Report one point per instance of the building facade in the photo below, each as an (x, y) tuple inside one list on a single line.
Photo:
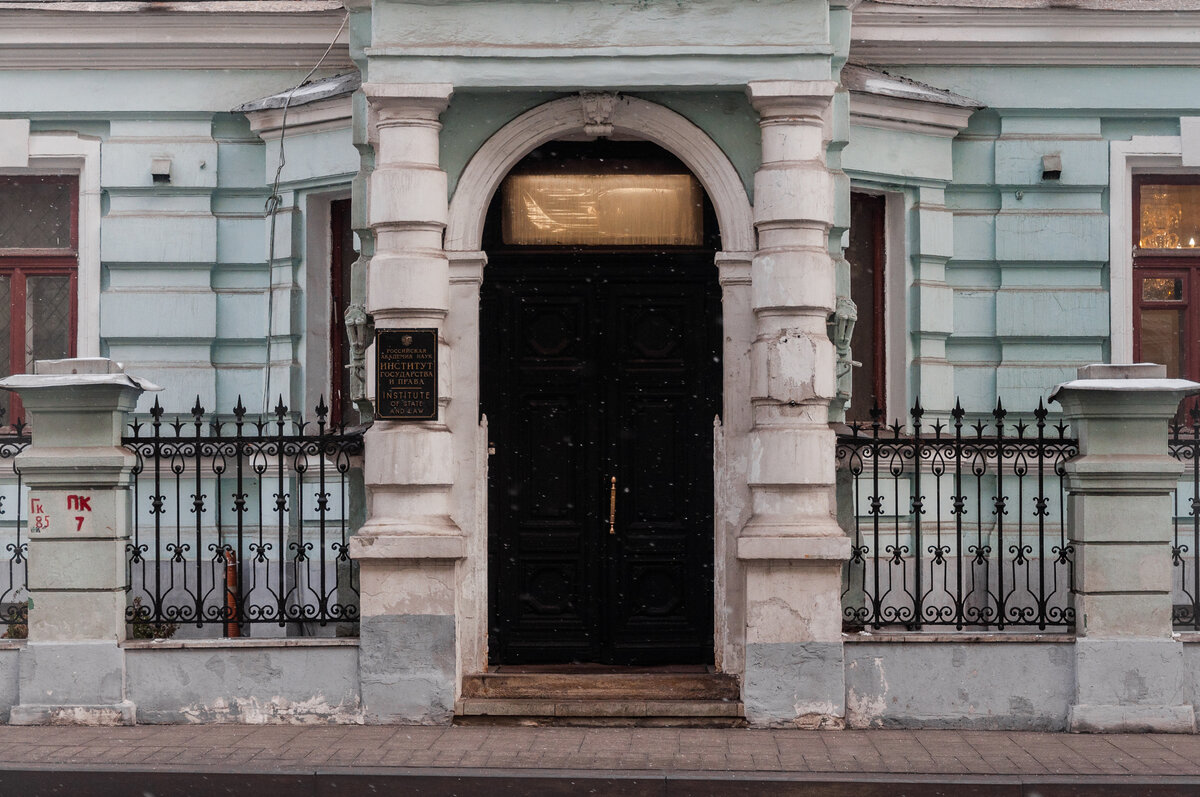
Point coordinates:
[(659, 252)]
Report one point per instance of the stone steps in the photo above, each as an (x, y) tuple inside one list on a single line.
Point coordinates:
[(660, 713), (603, 686), (613, 697)]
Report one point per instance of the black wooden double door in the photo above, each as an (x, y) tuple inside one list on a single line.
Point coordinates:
[(601, 377)]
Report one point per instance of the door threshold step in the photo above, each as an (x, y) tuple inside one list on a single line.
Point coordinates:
[(618, 687), (705, 713)]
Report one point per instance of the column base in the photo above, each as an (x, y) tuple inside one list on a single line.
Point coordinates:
[(407, 653), (795, 685), (122, 713), (1131, 719), (71, 683), (407, 669), (794, 674)]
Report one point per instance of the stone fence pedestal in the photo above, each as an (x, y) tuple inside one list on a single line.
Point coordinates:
[(1129, 670), (72, 670)]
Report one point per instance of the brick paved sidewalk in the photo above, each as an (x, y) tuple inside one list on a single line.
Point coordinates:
[(628, 760)]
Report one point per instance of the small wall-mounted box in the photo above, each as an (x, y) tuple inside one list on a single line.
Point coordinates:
[(160, 170), (1051, 166)]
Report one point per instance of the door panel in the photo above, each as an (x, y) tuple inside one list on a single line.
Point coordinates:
[(598, 366)]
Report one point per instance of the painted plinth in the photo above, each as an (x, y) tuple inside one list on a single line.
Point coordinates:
[(1129, 671), (72, 671)]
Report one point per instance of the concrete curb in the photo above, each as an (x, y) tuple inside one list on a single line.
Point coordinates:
[(95, 781)]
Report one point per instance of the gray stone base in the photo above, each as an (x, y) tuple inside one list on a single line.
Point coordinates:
[(122, 713), (1131, 719), (71, 674), (1131, 684), (406, 669), (296, 681), (795, 684)]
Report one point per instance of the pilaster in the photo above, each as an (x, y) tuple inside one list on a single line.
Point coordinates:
[(931, 302), (792, 548)]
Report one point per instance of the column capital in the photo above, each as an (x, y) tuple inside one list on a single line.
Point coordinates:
[(408, 100), (790, 98), (466, 268)]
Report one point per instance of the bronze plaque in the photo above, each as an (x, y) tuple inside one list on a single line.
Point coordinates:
[(406, 386)]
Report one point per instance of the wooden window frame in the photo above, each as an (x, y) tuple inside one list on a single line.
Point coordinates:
[(878, 294), (341, 260), (21, 263), (1172, 264)]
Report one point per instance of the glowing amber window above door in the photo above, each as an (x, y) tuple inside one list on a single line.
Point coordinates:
[(1169, 216), (602, 210)]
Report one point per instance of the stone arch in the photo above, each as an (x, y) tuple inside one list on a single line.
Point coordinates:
[(603, 114), (622, 117)]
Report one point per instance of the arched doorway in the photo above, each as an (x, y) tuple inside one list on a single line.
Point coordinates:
[(600, 375)]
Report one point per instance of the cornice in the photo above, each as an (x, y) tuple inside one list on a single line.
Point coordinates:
[(912, 35), (911, 116), (330, 114), (34, 39)]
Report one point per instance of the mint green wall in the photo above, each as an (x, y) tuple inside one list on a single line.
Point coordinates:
[(184, 274), (1029, 266)]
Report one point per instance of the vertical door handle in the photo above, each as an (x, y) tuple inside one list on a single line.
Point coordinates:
[(612, 505)]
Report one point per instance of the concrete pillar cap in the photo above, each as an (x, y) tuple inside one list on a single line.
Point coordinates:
[(1126, 378), (76, 372)]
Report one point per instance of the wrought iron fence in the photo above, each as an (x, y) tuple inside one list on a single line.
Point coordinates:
[(14, 596), (958, 522), (242, 521), (1183, 442)]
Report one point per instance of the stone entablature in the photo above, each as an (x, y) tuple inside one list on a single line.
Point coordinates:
[(579, 43)]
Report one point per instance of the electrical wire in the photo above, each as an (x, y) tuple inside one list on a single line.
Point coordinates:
[(272, 208)]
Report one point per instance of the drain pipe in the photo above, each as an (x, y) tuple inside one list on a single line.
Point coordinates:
[(232, 627)]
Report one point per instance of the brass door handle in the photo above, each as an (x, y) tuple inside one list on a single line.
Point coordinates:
[(612, 506)]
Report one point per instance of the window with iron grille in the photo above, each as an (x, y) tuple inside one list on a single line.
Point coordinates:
[(39, 264)]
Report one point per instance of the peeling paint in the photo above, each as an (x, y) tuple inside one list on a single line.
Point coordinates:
[(276, 710), (85, 715), (866, 710), (820, 720), (959, 685)]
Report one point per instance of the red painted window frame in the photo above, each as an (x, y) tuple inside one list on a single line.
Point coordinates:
[(19, 264)]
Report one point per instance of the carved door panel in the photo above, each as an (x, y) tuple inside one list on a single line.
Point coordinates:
[(595, 367)]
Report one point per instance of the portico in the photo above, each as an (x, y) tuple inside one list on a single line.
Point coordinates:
[(430, 178)]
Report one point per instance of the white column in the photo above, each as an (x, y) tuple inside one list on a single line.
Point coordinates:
[(408, 468), (792, 548), (409, 546)]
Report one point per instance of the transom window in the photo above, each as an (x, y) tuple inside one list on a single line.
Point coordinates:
[(572, 194)]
